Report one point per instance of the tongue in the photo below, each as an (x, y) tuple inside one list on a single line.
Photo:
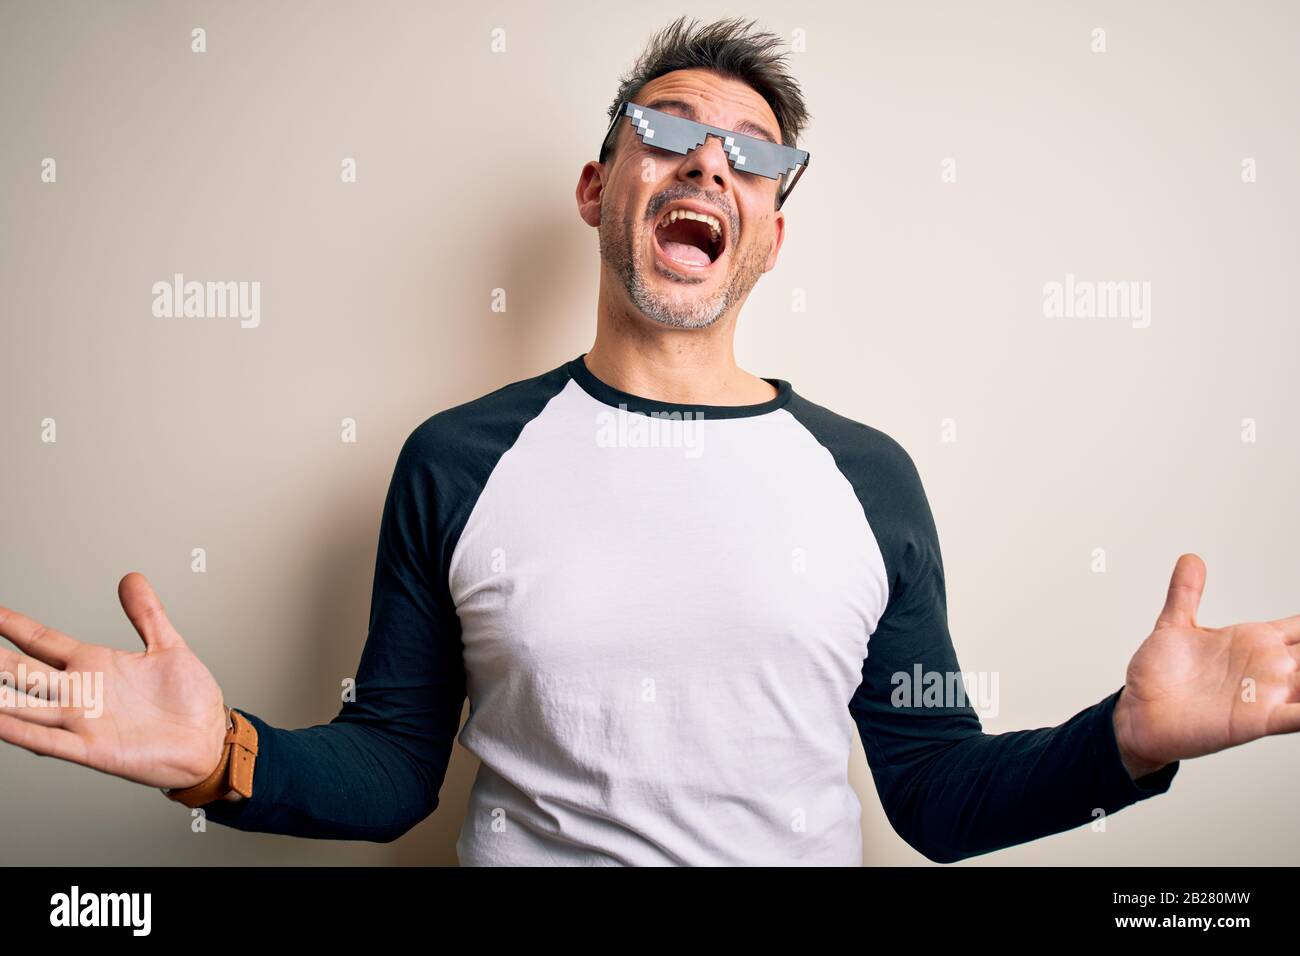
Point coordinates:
[(685, 252)]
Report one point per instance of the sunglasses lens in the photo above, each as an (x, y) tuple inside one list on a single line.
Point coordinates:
[(666, 131), (745, 153), (761, 158), (680, 135)]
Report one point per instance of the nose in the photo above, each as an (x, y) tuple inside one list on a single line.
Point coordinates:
[(707, 165)]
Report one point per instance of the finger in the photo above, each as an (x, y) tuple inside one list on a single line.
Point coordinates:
[(11, 661), (145, 610), (1290, 628), (1184, 597), (46, 741), (35, 710), (1284, 719), (43, 643)]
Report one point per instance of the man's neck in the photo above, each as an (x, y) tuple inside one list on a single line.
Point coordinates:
[(682, 366), (672, 370)]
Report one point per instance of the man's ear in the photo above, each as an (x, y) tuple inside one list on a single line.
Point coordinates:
[(778, 237), (591, 184)]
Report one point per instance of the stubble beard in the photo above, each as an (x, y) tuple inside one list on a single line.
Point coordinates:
[(618, 250)]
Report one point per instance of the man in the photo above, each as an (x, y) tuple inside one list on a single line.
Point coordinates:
[(671, 589)]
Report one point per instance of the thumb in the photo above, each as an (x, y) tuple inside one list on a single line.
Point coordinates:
[(145, 610), (1184, 596)]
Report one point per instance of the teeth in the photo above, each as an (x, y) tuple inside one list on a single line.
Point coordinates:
[(715, 227)]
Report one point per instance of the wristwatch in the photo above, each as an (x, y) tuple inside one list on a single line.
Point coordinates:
[(233, 774)]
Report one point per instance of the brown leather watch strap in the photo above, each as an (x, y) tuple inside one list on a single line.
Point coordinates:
[(235, 772), (243, 755)]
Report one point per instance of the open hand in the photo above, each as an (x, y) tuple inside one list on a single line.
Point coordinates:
[(161, 720), (1193, 690)]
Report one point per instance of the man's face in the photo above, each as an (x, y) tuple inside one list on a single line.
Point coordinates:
[(677, 271)]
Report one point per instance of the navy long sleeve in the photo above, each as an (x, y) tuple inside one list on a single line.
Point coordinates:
[(949, 789), (375, 770)]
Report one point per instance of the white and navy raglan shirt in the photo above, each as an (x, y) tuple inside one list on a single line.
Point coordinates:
[(669, 621)]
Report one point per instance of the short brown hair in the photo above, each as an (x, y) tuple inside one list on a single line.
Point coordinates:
[(731, 47)]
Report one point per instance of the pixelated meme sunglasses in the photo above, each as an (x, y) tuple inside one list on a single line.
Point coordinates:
[(748, 154)]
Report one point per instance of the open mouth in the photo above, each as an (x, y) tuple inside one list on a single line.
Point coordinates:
[(690, 238)]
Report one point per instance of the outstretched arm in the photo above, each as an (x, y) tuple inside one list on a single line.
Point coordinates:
[(953, 791), (949, 789), (376, 769), (372, 773)]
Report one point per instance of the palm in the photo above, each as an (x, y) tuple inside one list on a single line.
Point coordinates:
[(1193, 690), (159, 720)]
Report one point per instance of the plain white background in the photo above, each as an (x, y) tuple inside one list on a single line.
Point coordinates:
[(924, 304)]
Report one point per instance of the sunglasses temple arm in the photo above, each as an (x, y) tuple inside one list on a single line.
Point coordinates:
[(604, 143), (790, 188)]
